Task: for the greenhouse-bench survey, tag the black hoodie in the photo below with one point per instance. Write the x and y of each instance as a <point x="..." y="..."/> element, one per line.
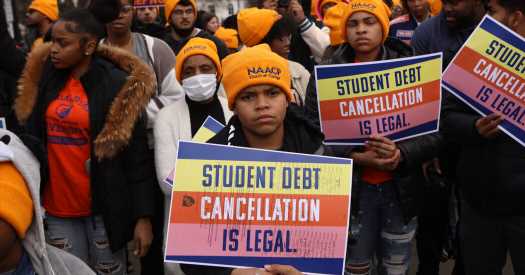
<point x="300" y="136"/>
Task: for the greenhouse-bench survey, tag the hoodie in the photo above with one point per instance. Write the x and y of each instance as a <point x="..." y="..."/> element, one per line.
<point x="44" y="258"/>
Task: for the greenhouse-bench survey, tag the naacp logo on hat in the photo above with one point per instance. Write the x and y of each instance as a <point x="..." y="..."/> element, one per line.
<point x="363" y="5"/>
<point x="264" y="72"/>
<point x="195" y="47"/>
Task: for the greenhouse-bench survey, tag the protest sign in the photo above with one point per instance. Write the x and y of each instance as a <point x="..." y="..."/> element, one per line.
<point x="398" y="99"/>
<point x="148" y="3"/>
<point x="246" y="207"/>
<point x="209" y="129"/>
<point x="488" y="74"/>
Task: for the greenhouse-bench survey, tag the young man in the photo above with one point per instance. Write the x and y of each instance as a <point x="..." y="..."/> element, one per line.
<point x="404" y="26"/>
<point x="23" y="250"/>
<point x="490" y="175"/>
<point x="258" y="26"/>
<point x="199" y="69"/>
<point x="181" y="16"/>
<point x="40" y="17"/>
<point x="444" y="33"/>
<point x="388" y="186"/>
<point x="263" y="119"/>
<point x="450" y="29"/>
<point x="148" y="20"/>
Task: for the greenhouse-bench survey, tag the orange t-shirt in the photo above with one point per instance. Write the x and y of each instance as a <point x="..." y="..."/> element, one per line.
<point x="374" y="176"/>
<point x="68" y="192"/>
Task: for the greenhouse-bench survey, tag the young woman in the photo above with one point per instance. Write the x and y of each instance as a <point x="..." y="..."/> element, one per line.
<point x="82" y="107"/>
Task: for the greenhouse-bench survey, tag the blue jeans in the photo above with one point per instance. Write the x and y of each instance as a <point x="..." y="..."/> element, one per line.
<point x="86" y="238"/>
<point x="379" y="230"/>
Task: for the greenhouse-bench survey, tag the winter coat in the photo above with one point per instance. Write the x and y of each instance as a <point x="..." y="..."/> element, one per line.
<point x="408" y="177"/>
<point x="176" y="46"/>
<point x="45" y="259"/>
<point x="118" y="86"/>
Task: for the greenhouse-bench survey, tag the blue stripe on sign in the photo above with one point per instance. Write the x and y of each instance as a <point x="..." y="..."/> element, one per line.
<point x="511" y="128"/>
<point x="313" y="265"/>
<point x="499" y="31"/>
<point x="356" y="68"/>
<point x="213" y="125"/>
<point x="427" y="127"/>
<point x="190" y="150"/>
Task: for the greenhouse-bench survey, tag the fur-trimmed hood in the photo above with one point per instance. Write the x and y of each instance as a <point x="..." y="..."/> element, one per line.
<point x="127" y="106"/>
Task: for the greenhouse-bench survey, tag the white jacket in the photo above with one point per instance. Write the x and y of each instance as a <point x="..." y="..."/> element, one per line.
<point x="317" y="39"/>
<point x="171" y="125"/>
<point x="300" y="77"/>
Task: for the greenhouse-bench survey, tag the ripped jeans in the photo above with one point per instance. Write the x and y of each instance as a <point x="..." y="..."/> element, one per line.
<point x="379" y="230"/>
<point x="86" y="238"/>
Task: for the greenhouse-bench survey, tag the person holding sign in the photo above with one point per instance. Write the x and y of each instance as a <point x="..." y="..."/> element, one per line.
<point x="386" y="196"/>
<point x="490" y="172"/>
<point x="257" y="83"/>
<point x="199" y="70"/>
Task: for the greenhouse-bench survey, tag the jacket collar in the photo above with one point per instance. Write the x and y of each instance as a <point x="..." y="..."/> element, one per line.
<point x="125" y="110"/>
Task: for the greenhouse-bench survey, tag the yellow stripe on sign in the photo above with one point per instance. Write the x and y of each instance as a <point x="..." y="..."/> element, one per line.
<point x="262" y="177"/>
<point x="480" y="42"/>
<point x="203" y="135"/>
<point x="382" y="81"/>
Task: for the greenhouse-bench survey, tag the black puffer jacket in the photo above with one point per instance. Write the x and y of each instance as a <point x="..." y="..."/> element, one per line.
<point x="408" y="177"/>
<point x="121" y="168"/>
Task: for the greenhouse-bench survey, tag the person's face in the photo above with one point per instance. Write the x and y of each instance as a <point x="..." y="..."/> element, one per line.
<point x="418" y="8"/>
<point x="364" y="32"/>
<point x="514" y="20"/>
<point x="213" y="25"/>
<point x="281" y="46"/>
<point x="147" y="15"/>
<point x="197" y="64"/>
<point x="34" y="17"/>
<point x="183" y="17"/>
<point x="459" y="12"/>
<point x="123" y="22"/>
<point x="8" y="239"/>
<point x="326" y="7"/>
<point x="69" y="49"/>
<point x="270" y="4"/>
<point x="261" y="109"/>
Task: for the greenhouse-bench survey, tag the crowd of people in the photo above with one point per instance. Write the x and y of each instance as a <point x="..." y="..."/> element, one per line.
<point x="96" y="99"/>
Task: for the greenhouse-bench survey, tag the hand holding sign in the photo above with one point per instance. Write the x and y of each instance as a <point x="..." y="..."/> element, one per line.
<point x="488" y="126"/>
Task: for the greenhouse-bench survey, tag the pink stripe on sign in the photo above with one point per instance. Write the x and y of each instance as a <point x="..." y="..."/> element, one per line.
<point x="207" y="240"/>
<point x="469" y="84"/>
<point x="349" y="129"/>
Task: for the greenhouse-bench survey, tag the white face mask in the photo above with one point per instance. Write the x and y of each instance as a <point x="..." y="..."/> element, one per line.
<point x="200" y="87"/>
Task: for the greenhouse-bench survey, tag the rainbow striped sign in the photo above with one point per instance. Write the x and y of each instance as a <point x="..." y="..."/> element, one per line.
<point x="241" y="207"/>
<point x="488" y="74"/>
<point x="398" y="98"/>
